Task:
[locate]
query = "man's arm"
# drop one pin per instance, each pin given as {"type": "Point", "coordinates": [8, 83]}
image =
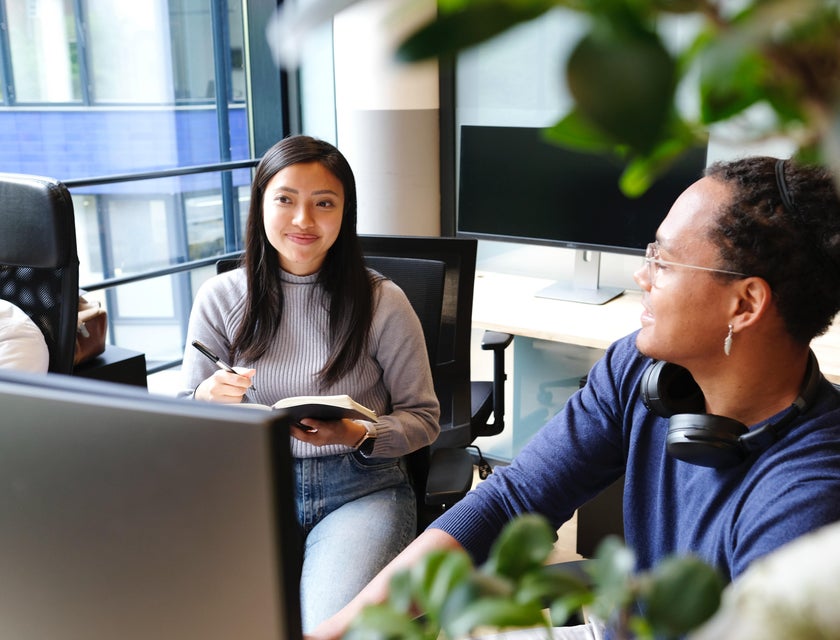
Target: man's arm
{"type": "Point", "coordinates": [377, 589]}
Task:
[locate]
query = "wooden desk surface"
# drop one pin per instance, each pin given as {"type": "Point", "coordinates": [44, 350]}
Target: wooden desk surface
{"type": "Point", "coordinates": [508, 303]}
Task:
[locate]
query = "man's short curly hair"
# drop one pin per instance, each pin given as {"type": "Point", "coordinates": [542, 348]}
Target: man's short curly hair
{"type": "Point", "coordinates": [795, 248]}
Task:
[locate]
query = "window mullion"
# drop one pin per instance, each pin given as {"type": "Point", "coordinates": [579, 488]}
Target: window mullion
{"type": "Point", "coordinates": [82, 51]}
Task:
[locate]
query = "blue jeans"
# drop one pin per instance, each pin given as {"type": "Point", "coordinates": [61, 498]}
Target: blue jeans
{"type": "Point", "coordinates": [356, 515]}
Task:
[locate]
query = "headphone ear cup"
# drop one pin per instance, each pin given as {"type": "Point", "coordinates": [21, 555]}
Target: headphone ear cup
{"type": "Point", "coordinates": [668, 389]}
{"type": "Point", "coordinates": [706, 440]}
{"type": "Point", "coordinates": [709, 440]}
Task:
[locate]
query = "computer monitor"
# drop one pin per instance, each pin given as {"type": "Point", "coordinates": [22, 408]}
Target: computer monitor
{"type": "Point", "coordinates": [516, 186]}
{"type": "Point", "coordinates": [130, 516]}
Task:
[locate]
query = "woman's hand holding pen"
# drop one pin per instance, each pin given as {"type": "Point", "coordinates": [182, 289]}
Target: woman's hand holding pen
{"type": "Point", "coordinates": [228, 385]}
{"type": "Point", "coordinates": [225, 386]}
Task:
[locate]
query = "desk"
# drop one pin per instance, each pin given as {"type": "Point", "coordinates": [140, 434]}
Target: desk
{"type": "Point", "coordinates": [116, 365]}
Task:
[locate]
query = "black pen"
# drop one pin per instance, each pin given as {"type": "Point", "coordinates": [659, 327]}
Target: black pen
{"type": "Point", "coordinates": [219, 362]}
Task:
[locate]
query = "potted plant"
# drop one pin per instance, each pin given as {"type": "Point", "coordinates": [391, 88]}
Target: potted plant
{"type": "Point", "coordinates": [515, 588]}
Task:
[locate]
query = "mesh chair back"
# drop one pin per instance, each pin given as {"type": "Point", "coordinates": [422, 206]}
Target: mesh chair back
{"type": "Point", "coordinates": [451, 367]}
{"type": "Point", "coordinates": [422, 282]}
{"type": "Point", "coordinates": [39, 266]}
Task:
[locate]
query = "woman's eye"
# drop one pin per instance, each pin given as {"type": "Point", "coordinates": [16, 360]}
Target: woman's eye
{"type": "Point", "coordinates": [325, 204]}
{"type": "Point", "coordinates": [282, 199]}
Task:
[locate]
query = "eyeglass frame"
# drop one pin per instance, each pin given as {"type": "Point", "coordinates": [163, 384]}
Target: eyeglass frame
{"type": "Point", "coordinates": [653, 263]}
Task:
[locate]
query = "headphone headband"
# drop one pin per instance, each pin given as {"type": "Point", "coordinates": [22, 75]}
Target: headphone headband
{"type": "Point", "coordinates": [761, 438]}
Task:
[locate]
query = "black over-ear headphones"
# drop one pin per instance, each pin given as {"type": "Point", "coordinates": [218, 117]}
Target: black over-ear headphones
{"type": "Point", "coordinates": [705, 439]}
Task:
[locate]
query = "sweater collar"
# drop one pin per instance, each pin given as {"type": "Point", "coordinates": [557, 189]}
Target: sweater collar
{"type": "Point", "coordinates": [291, 278]}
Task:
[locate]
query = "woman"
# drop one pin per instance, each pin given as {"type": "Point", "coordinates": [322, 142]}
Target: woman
{"type": "Point", "coordinates": [306, 317]}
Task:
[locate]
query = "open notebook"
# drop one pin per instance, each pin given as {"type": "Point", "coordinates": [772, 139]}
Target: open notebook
{"type": "Point", "coordinates": [124, 515]}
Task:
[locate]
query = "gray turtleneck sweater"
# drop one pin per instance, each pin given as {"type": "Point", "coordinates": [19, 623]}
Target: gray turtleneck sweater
{"type": "Point", "coordinates": [393, 378]}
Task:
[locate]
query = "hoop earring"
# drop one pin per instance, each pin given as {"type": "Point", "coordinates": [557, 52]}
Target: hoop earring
{"type": "Point", "coordinates": [727, 342]}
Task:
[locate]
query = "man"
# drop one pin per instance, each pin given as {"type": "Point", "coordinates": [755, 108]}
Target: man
{"type": "Point", "coordinates": [744, 273]}
{"type": "Point", "coordinates": [22, 345]}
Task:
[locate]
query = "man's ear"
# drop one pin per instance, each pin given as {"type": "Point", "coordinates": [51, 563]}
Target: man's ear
{"type": "Point", "coordinates": [753, 301]}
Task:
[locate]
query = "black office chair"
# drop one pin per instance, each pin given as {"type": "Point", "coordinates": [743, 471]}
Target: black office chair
{"type": "Point", "coordinates": [39, 266]}
{"type": "Point", "coordinates": [466, 405]}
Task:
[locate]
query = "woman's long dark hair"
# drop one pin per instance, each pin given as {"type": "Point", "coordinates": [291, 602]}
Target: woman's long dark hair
{"type": "Point", "coordinates": [343, 275]}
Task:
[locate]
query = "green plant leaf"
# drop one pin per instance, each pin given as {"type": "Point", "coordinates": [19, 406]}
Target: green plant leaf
{"type": "Point", "coordinates": [496, 613]}
{"type": "Point", "coordinates": [642, 171]}
{"type": "Point", "coordinates": [400, 591]}
{"type": "Point", "coordinates": [622, 79]}
{"type": "Point", "coordinates": [465, 27]}
{"type": "Point", "coordinates": [677, 6]}
{"type": "Point", "coordinates": [576, 132]}
{"type": "Point", "coordinates": [525, 543]}
{"type": "Point", "coordinates": [492, 584]}
{"type": "Point", "coordinates": [563, 608]}
{"type": "Point", "coordinates": [640, 628]}
{"type": "Point", "coordinates": [732, 78]}
{"type": "Point", "coordinates": [549, 584]}
{"type": "Point", "coordinates": [612, 571]}
{"type": "Point", "coordinates": [613, 562]}
{"type": "Point", "coordinates": [683, 593]}
{"type": "Point", "coordinates": [436, 575]}
{"type": "Point", "coordinates": [380, 622]}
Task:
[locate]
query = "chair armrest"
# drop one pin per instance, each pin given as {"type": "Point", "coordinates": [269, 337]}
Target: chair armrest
{"type": "Point", "coordinates": [497, 342]}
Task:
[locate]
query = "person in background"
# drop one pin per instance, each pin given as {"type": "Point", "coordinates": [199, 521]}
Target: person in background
{"type": "Point", "coordinates": [22, 345]}
{"type": "Point", "coordinates": [715, 410]}
{"type": "Point", "coordinates": [308, 318]}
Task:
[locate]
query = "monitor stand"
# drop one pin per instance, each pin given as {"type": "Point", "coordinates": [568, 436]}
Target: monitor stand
{"type": "Point", "coordinates": [585, 282]}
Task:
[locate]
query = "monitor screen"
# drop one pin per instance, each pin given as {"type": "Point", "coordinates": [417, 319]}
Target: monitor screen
{"type": "Point", "coordinates": [516, 186]}
{"type": "Point", "coordinates": [125, 515]}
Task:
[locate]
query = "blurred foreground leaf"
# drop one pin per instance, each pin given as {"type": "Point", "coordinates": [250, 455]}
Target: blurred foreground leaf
{"type": "Point", "coordinates": [516, 589]}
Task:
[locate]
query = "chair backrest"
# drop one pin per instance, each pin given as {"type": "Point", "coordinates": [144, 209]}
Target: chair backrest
{"type": "Point", "coordinates": [451, 366]}
{"type": "Point", "coordinates": [422, 282]}
{"type": "Point", "coordinates": [39, 265]}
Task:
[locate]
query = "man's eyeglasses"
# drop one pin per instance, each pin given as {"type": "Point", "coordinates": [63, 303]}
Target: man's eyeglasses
{"type": "Point", "coordinates": [655, 264]}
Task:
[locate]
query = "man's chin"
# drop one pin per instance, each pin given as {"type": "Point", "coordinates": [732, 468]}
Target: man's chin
{"type": "Point", "coordinates": [643, 344]}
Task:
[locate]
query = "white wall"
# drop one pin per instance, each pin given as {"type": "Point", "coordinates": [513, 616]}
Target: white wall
{"type": "Point", "coordinates": [382, 115]}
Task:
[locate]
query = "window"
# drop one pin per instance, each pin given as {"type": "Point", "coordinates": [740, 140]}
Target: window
{"type": "Point", "coordinates": [44, 51]}
{"type": "Point", "coordinates": [153, 52]}
{"type": "Point", "coordinates": [94, 88]}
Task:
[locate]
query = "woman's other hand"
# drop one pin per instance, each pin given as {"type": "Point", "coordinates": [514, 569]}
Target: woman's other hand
{"type": "Point", "coordinates": [321, 432]}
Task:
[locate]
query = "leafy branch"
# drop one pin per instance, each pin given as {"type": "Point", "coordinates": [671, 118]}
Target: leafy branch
{"type": "Point", "coordinates": [515, 588]}
{"type": "Point", "coordinates": [779, 56]}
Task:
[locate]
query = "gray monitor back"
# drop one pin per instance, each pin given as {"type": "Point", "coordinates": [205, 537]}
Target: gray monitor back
{"type": "Point", "coordinates": [127, 516]}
